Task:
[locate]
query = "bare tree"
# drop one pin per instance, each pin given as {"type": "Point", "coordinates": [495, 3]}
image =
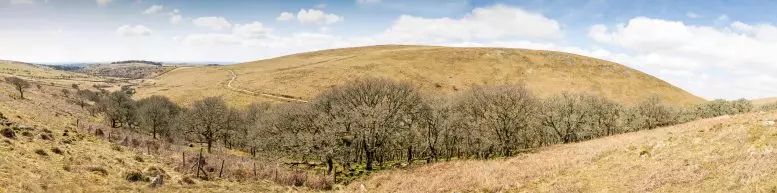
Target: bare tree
{"type": "Point", "coordinates": [503, 115]}
{"type": "Point", "coordinates": [19, 84]}
{"type": "Point", "coordinates": [372, 113]}
{"type": "Point", "coordinates": [119, 109]}
{"type": "Point", "coordinates": [206, 121]}
{"type": "Point", "coordinates": [156, 113]}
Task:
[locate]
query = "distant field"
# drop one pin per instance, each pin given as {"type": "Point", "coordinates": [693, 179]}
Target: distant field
{"type": "Point", "coordinates": [433, 69]}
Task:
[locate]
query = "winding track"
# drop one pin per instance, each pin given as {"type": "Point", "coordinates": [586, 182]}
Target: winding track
{"type": "Point", "coordinates": [266, 95]}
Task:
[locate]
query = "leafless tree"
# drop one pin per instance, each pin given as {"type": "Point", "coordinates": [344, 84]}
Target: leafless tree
{"type": "Point", "coordinates": [19, 84]}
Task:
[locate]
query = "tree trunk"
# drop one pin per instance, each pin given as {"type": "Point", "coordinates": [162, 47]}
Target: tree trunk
{"type": "Point", "coordinates": [369, 156]}
{"type": "Point", "coordinates": [210, 144]}
{"type": "Point", "coordinates": [329, 165]}
{"type": "Point", "coordinates": [410, 155]}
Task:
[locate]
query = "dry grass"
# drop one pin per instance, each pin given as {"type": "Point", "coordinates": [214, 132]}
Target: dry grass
{"type": "Point", "coordinates": [83, 162]}
{"type": "Point", "coordinates": [736, 154]}
{"type": "Point", "coordinates": [433, 69]}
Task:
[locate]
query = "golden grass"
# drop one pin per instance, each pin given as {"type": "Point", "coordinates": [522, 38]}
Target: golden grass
{"type": "Point", "coordinates": [88, 163]}
{"type": "Point", "coordinates": [433, 69]}
{"type": "Point", "coordinates": [724, 154]}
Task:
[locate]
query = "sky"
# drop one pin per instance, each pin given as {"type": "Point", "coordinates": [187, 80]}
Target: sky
{"type": "Point", "coordinates": [711, 48]}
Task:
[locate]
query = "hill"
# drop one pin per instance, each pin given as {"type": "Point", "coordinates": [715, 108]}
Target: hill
{"type": "Point", "coordinates": [433, 69]}
{"type": "Point", "coordinates": [731, 154]}
{"type": "Point", "coordinates": [55, 146]}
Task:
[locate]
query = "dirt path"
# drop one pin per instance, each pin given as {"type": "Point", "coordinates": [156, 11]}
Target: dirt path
{"type": "Point", "coordinates": [266, 95]}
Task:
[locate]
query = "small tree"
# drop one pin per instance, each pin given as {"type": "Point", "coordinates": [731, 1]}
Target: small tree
{"type": "Point", "coordinates": [206, 121]}
{"type": "Point", "coordinates": [156, 113]}
{"type": "Point", "coordinates": [19, 84]}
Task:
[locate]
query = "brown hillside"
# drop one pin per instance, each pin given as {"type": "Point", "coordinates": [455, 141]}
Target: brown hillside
{"type": "Point", "coordinates": [722, 154]}
{"type": "Point", "coordinates": [433, 69]}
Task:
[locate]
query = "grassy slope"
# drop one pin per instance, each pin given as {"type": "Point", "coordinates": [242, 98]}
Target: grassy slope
{"type": "Point", "coordinates": [731, 154]}
{"type": "Point", "coordinates": [22, 170]}
{"type": "Point", "coordinates": [433, 69]}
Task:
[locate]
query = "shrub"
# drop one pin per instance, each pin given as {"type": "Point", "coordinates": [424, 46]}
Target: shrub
{"type": "Point", "coordinates": [56, 150]}
{"type": "Point", "coordinates": [8, 133]}
{"type": "Point", "coordinates": [98, 170]}
{"type": "Point", "coordinates": [135, 176]}
{"type": "Point", "coordinates": [41, 152]}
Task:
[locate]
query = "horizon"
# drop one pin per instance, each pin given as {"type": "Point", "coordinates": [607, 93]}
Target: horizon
{"type": "Point", "coordinates": [713, 49]}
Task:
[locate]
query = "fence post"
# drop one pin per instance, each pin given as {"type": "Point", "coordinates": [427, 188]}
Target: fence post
{"type": "Point", "coordinates": [254, 169]}
{"type": "Point", "coordinates": [222, 168]}
{"type": "Point", "coordinates": [183, 158]}
{"type": "Point", "coordinates": [199, 161]}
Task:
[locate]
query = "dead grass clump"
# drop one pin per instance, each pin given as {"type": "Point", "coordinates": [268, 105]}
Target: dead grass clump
{"type": "Point", "coordinates": [116, 147]}
{"type": "Point", "coordinates": [297, 178]}
{"type": "Point", "coordinates": [98, 170]}
{"type": "Point", "coordinates": [47, 136]}
{"type": "Point", "coordinates": [56, 150]}
{"type": "Point", "coordinates": [7, 141]}
{"type": "Point", "coordinates": [135, 143]}
{"type": "Point", "coordinates": [319, 182]}
{"type": "Point", "coordinates": [67, 168]}
{"type": "Point", "coordinates": [187, 180]}
{"type": "Point", "coordinates": [8, 133]}
{"type": "Point", "coordinates": [156, 171]}
{"type": "Point", "coordinates": [41, 152]}
{"type": "Point", "coordinates": [135, 176]}
{"type": "Point", "coordinates": [138, 158]}
{"type": "Point", "coordinates": [26, 134]}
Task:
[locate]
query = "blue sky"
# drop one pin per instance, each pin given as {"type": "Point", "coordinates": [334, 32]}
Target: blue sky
{"type": "Point", "coordinates": [712, 48]}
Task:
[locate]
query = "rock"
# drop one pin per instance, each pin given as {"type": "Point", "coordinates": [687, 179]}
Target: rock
{"type": "Point", "coordinates": [769, 123]}
{"type": "Point", "coordinates": [8, 133]}
{"type": "Point", "coordinates": [157, 182]}
{"type": "Point", "coordinates": [362, 188]}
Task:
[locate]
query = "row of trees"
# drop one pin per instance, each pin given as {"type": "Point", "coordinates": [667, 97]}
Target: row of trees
{"type": "Point", "coordinates": [376, 121]}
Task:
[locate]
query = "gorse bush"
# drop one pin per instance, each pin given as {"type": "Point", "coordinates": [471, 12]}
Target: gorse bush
{"type": "Point", "coordinates": [374, 123]}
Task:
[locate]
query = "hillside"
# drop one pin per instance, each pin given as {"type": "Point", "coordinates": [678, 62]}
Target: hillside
{"type": "Point", "coordinates": [433, 69]}
{"type": "Point", "coordinates": [56, 147]}
{"type": "Point", "coordinates": [730, 154]}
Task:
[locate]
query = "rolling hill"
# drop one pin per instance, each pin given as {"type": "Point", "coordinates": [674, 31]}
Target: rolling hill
{"type": "Point", "coordinates": [433, 69]}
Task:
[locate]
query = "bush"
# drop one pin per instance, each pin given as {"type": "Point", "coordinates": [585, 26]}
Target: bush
{"type": "Point", "coordinates": [56, 150]}
{"type": "Point", "coordinates": [41, 152]}
{"type": "Point", "coordinates": [98, 170]}
{"type": "Point", "coordinates": [8, 133]}
{"type": "Point", "coordinates": [135, 176]}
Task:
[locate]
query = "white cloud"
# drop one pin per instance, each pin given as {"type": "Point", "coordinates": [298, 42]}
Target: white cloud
{"type": "Point", "coordinates": [494, 22]}
{"type": "Point", "coordinates": [253, 30]}
{"type": "Point", "coordinates": [175, 16]}
{"type": "Point", "coordinates": [692, 15]}
{"type": "Point", "coordinates": [368, 1]}
{"type": "Point", "coordinates": [215, 23]}
{"type": "Point", "coordinates": [285, 16]}
{"type": "Point", "coordinates": [723, 17]}
{"type": "Point", "coordinates": [317, 17]}
{"type": "Point", "coordinates": [22, 2]}
{"type": "Point", "coordinates": [137, 30]}
{"type": "Point", "coordinates": [103, 2]}
{"type": "Point", "coordinates": [739, 55]}
{"type": "Point", "coordinates": [324, 29]}
{"type": "Point", "coordinates": [241, 34]}
{"type": "Point", "coordinates": [153, 9]}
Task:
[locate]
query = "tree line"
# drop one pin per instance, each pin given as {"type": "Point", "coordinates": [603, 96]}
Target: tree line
{"type": "Point", "coordinates": [373, 122]}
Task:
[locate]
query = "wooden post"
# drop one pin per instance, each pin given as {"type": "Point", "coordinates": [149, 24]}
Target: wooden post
{"type": "Point", "coordinates": [222, 168]}
{"type": "Point", "coordinates": [254, 169]}
{"type": "Point", "coordinates": [148, 148]}
{"type": "Point", "coordinates": [183, 158]}
{"type": "Point", "coordinates": [199, 161]}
